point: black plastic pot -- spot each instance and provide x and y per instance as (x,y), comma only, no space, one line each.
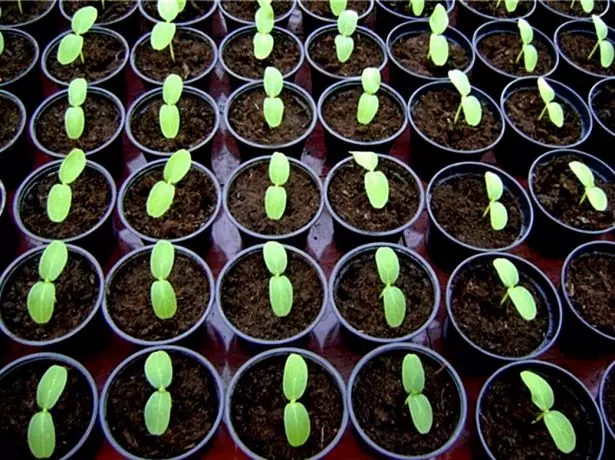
(446,250)
(15,157)
(387,19)
(194,451)
(204,22)
(25,86)
(550,18)
(7,231)
(249,149)
(233,23)
(425,352)
(311,21)
(44,27)
(602,136)
(610,434)
(469,19)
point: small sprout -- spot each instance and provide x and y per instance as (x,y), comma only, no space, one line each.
(280,287)
(555,110)
(387,264)
(344,43)
(296,418)
(60,196)
(587,5)
(558,425)
(74,117)
(263,40)
(595,195)
(273,107)
(1,43)
(438,45)
(42,296)
(275,196)
(496,210)
(71,46)
(511,5)
(162,293)
(417,6)
(376,183)
(169,112)
(164,32)
(472,110)
(20,6)
(41,430)
(521,297)
(528,51)
(159,374)
(607,52)
(337,6)
(161,195)
(413,380)
(368,102)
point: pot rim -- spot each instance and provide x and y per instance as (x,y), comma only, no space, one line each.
(52,4)
(601,402)
(590,97)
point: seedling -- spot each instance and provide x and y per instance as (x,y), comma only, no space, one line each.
(558,425)
(337,6)
(42,296)
(74,117)
(511,5)
(346,25)
(159,374)
(60,196)
(387,264)
(280,287)
(607,53)
(161,195)
(263,40)
(71,46)
(595,195)
(528,51)
(275,197)
(376,183)
(438,45)
(20,6)
(41,429)
(296,418)
(273,107)
(162,293)
(169,113)
(555,110)
(496,210)
(521,297)
(1,40)
(368,102)
(472,110)
(587,5)
(417,6)
(164,32)
(413,380)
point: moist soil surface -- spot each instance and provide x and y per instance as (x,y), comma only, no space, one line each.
(323,9)
(244,297)
(578,46)
(10,118)
(575,8)
(498,328)
(129,304)
(500,11)
(257,410)
(340,113)
(404,7)
(31,10)
(114,9)
(434,115)
(247,119)
(194,411)
(18,54)
(358,289)
(247,194)
(77,291)
(524,108)
(91,199)
(501,50)
(245,10)
(609,401)
(458,205)
(603,105)
(71,414)
(560,192)
(194,202)
(378,400)
(194,9)
(349,201)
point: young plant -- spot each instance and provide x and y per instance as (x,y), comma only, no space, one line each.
(558,425)
(511,5)
(387,264)
(161,195)
(521,297)
(413,380)
(368,102)
(438,45)
(337,6)
(555,110)
(164,32)
(275,196)
(41,429)
(296,418)
(472,110)
(60,196)
(595,195)
(417,6)
(528,51)
(346,25)
(169,113)
(376,183)
(496,210)
(263,40)
(74,117)
(162,293)
(159,374)
(273,107)
(1,39)
(587,5)
(71,46)
(607,52)
(280,287)
(42,295)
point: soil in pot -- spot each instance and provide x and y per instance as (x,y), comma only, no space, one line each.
(247,194)
(609,400)
(257,410)
(604,104)
(411,51)
(245,10)
(195,407)
(404,7)
(18,54)
(31,10)
(378,399)
(323,9)
(560,192)
(111,11)
(194,9)
(578,46)
(575,8)
(501,50)
(499,11)
(71,414)
(10,119)
(348,198)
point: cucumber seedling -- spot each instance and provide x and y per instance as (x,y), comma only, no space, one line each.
(344,43)
(296,418)
(595,195)
(337,6)
(607,52)
(528,51)
(438,44)
(368,102)
(387,264)
(71,45)
(417,6)
(554,109)
(169,112)
(163,33)
(161,195)
(280,287)
(162,294)
(510,5)
(263,40)
(376,183)
(60,196)
(498,215)
(520,296)
(273,106)
(469,105)
(275,196)
(586,5)
(413,380)
(74,117)
(159,374)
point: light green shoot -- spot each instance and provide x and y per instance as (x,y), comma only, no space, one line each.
(263,40)
(159,374)
(555,110)
(71,46)
(438,44)
(413,380)
(368,102)
(60,196)
(1,43)
(511,5)
(472,110)
(169,112)
(596,196)
(417,6)
(275,196)
(161,195)
(521,297)
(387,264)
(162,293)
(337,6)
(74,117)
(376,183)
(164,32)
(296,418)
(528,51)
(498,215)
(607,53)
(344,43)
(280,287)
(587,5)
(273,107)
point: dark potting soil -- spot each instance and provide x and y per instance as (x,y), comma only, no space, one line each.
(112,10)
(578,46)
(244,297)
(245,10)
(560,192)
(194,9)
(575,8)
(323,9)
(247,194)
(91,199)
(129,303)
(17,56)
(257,410)
(404,7)
(500,11)
(378,399)
(525,106)
(609,401)
(31,10)
(348,198)
(458,204)
(71,414)
(434,115)
(340,113)
(501,50)
(10,119)
(603,104)
(77,291)
(358,289)
(247,119)
(194,411)
(497,328)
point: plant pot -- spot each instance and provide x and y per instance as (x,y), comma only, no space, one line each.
(436,143)
(605,402)
(254,137)
(600,103)
(23,78)
(325,404)
(40,20)
(506,402)
(89,223)
(355,221)
(391,13)
(551,14)
(561,223)
(338,105)
(482,333)
(496,68)
(242,297)
(238,61)
(79,294)
(355,295)
(471,14)
(407,47)
(520,147)
(196,132)
(243,201)
(456,201)
(197,396)
(15,154)
(376,391)
(74,415)
(7,231)
(197,13)
(316,14)
(238,13)
(325,69)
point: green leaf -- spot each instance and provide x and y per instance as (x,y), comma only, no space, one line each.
(274,111)
(177,166)
(1,43)
(160,199)
(523,301)
(169,120)
(472,110)
(412,374)
(367,160)
(163,299)
(168,9)
(530,57)
(421,412)
(296,424)
(51,386)
(273,82)
(41,435)
(597,198)
(344,46)
(460,81)
(511,5)
(601,29)
(438,49)
(370,80)
(264,19)
(367,108)
(347,22)
(53,260)
(172,89)
(41,300)
(561,430)
(84,19)
(162,35)
(494,186)
(263,45)
(542,394)
(280,295)
(607,53)
(387,264)
(162,259)
(394,306)
(546,92)
(159,369)
(158,412)
(587,5)
(337,6)
(279,169)
(77,91)
(181,4)
(69,49)
(275,257)
(583,173)
(74,122)
(59,202)
(507,272)
(72,166)
(525,31)
(417,7)
(556,114)
(438,21)
(275,202)
(377,189)
(295,377)
(498,216)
